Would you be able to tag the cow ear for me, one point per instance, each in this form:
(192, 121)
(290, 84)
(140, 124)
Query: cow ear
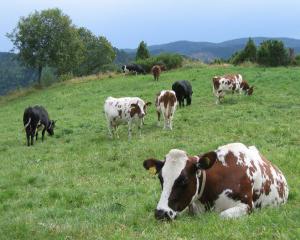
(153, 166)
(134, 105)
(148, 103)
(206, 160)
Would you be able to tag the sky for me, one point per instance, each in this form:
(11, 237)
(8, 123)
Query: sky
(127, 22)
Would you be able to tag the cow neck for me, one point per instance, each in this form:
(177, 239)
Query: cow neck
(201, 174)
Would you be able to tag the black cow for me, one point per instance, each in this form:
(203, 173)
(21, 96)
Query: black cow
(34, 119)
(183, 90)
(134, 68)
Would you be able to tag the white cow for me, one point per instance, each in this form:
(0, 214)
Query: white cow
(126, 110)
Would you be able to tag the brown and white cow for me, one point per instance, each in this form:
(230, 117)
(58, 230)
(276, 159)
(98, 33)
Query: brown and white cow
(232, 180)
(230, 84)
(126, 110)
(166, 103)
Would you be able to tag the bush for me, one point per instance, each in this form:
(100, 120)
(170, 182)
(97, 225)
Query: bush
(272, 53)
(170, 61)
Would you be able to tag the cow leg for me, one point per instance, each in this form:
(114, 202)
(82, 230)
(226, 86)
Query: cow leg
(188, 100)
(116, 131)
(43, 133)
(32, 137)
(129, 130)
(140, 127)
(28, 138)
(158, 118)
(235, 212)
(36, 135)
(110, 129)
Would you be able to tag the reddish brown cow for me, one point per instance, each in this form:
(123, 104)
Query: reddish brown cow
(156, 70)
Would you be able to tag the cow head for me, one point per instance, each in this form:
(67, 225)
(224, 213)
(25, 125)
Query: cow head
(124, 69)
(50, 128)
(250, 91)
(179, 180)
(139, 108)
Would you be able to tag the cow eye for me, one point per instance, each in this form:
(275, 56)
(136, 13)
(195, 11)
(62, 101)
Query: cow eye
(181, 181)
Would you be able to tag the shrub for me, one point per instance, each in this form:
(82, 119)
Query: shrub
(169, 60)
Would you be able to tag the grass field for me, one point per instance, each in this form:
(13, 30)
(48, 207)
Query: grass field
(79, 184)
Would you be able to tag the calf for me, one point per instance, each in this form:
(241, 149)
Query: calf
(133, 68)
(126, 110)
(166, 105)
(183, 90)
(34, 119)
(232, 180)
(230, 83)
(156, 70)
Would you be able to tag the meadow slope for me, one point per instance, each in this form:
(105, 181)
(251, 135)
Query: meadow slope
(80, 184)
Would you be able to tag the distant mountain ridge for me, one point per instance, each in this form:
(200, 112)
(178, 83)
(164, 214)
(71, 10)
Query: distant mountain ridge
(208, 51)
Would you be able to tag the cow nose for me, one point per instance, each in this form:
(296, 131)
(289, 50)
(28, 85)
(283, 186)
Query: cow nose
(161, 215)
(142, 115)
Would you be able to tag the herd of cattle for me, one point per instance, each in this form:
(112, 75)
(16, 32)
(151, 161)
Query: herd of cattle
(232, 180)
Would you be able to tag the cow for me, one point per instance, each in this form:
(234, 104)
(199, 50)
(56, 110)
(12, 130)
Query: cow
(34, 119)
(133, 68)
(156, 70)
(183, 90)
(232, 180)
(165, 104)
(125, 110)
(230, 83)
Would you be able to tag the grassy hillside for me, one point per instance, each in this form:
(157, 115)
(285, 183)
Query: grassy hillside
(80, 184)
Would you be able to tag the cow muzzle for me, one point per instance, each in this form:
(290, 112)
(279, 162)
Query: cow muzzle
(164, 215)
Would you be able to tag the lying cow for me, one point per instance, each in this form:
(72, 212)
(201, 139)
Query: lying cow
(133, 68)
(183, 90)
(231, 84)
(166, 103)
(34, 119)
(126, 110)
(232, 180)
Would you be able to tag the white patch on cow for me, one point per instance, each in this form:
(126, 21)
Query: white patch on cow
(175, 162)
(229, 208)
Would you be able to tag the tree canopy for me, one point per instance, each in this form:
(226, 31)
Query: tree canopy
(142, 51)
(47, 38)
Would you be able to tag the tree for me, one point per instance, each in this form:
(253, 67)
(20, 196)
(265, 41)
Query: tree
(142, 51)
(272, 53)
(250, 51)
(47, 38)
(97, 51)
(247, 54)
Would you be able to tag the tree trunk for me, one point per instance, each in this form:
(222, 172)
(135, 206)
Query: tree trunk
(40, 69)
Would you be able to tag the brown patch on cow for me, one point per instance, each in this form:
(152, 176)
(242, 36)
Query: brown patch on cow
(134, 109)
(156, 70)
(168, 98)
(244, 85)
(233, 177)
(233, 86)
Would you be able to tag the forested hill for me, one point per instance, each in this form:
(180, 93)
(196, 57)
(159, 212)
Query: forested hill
(208, 51)
(13, 75)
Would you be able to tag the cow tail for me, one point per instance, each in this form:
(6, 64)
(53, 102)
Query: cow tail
(27, 124)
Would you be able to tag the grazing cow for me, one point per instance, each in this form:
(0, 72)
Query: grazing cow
(230, 83)
(183, 90)
(34, 119)
(126, 110)
(133, 68)
(232, 180)
(156, 70)
(166, 105)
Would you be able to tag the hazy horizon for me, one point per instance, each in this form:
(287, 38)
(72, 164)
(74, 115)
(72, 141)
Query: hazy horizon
(126, 23)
